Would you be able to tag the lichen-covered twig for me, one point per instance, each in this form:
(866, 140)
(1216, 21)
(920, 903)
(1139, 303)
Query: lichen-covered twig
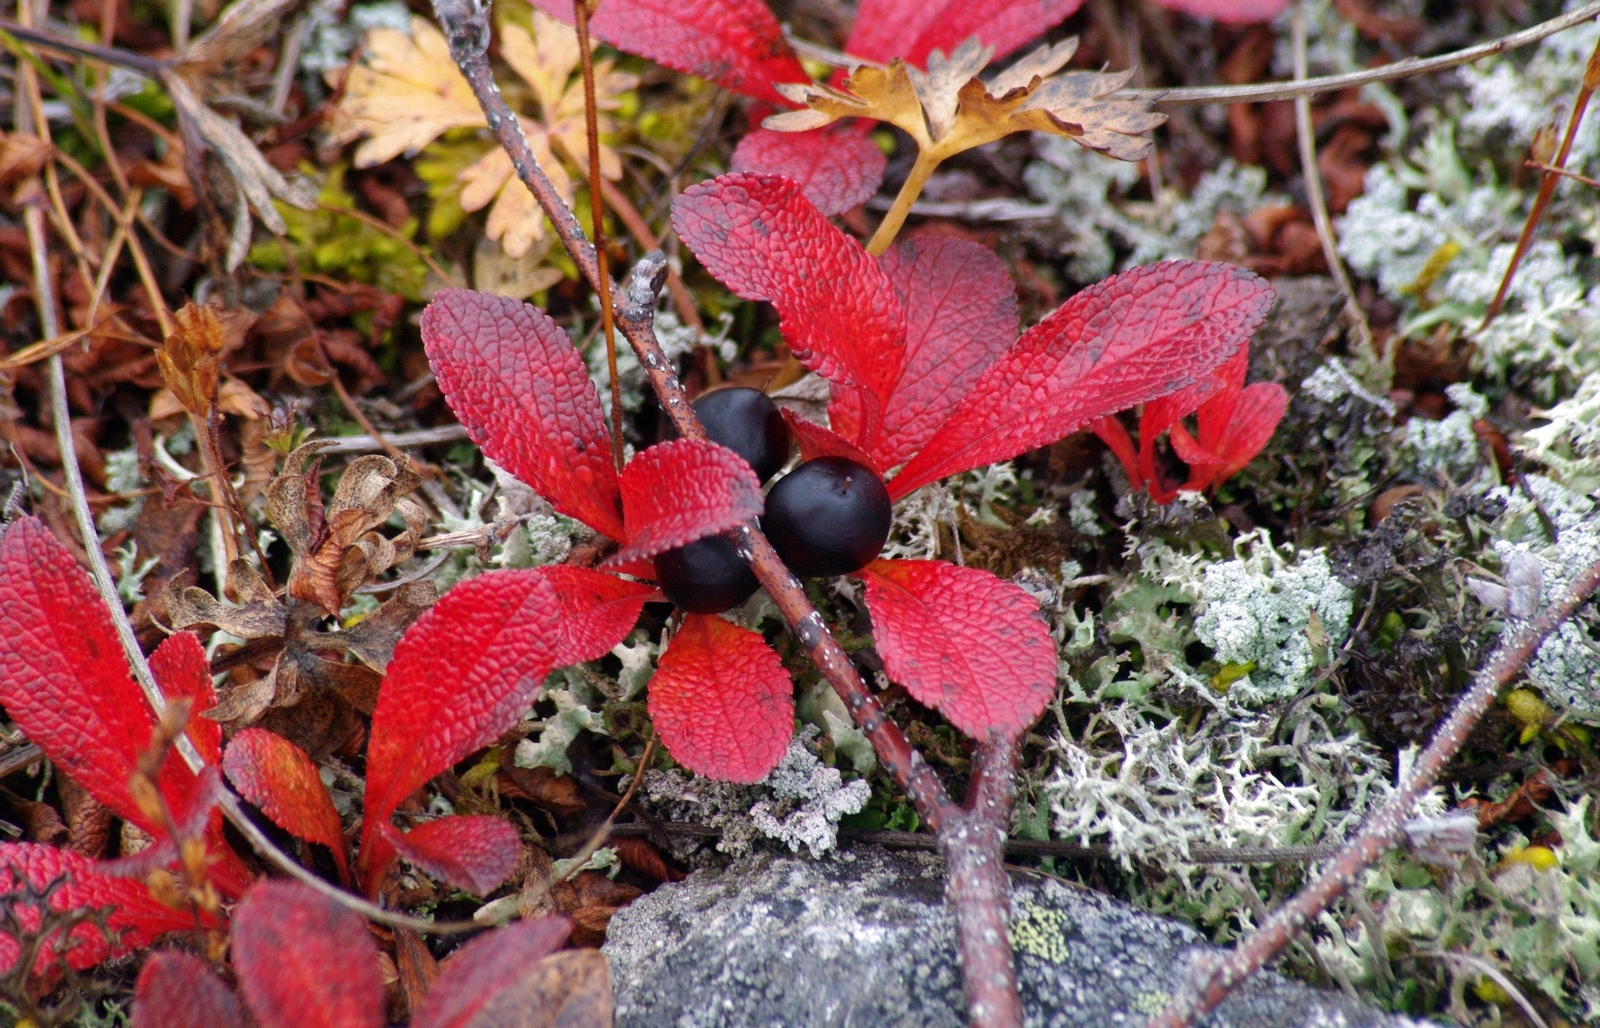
(1212, 982)
(970, 839)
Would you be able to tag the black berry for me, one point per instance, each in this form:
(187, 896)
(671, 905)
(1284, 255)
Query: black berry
(705, 577)
(748, 423)
(829, 516)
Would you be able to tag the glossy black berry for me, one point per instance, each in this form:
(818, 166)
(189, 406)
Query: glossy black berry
(829, 516)
(748, 423)
(705, 577)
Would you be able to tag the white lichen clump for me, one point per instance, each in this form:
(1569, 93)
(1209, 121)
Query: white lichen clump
(1259, 608)
(810, 798)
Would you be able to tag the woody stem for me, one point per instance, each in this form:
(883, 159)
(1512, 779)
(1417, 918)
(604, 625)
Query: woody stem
(971, 839)
(890, 226)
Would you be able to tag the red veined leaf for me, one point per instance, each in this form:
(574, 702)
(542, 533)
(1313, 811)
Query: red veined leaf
(1166, 412)
(521, 390)
(1115, 436)
(1127, 340)
(682, 490)
(304, 961)
(962, 641)
(468, 669)
(136, 918)
(181, 668)
(818, 441)
(1215, 409)
(464, 672)
(1205, 467)
(65, 681)
(886, 29)
(764, 240)
(473, 852)
(837, 170)
(196, 822)
(472, 977)
(597, 611)
(961, 314)
(737, 44)
(721, 700)
(176, 990)
(1237, 12)
(278, 777)
(1255, 417)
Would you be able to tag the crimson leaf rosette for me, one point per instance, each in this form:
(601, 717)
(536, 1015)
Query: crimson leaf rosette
(928, 375)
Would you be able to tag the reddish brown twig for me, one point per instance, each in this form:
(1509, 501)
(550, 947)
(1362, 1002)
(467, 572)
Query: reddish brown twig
(970, 838)
(1563, 172)
(1211, 983)
(1547, 187)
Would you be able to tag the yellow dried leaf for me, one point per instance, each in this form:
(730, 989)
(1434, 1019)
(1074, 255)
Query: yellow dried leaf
(405, 94)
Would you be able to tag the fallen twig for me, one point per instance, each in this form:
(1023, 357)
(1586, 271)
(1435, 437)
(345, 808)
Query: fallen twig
(971, 837)
(1210, 983)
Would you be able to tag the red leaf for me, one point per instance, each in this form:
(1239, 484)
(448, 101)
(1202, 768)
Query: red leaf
(818, 441)
(734, 43)
(471, 852)
(472, 976)
(962, 641)
(837, 170)
(961, 314)
(1254, 418)
(176, 990)
(181, 668)
(1233, 11)
(1127, 340)
(1116, 438)
(304, 961)
(470, 667)
(764, 240)
(65, 681)
(522, 392)
(136, 918)
(1221, 387)
(682, 490)
(278, 777)
(722, 701)
(886, 29)
(597, 611)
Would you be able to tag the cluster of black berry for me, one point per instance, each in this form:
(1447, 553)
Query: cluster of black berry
(829, 516)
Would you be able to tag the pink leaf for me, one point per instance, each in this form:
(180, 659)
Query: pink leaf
(1254, 418)
(522, 392)
(279, 778)
(682, 490)
(962, 641)
(65, 681)
(1127, 340)
(818, 441)
(837, 170)
(176, 990)
(469, 668)
(722, 701)
(474, 975)
(304, 961)
(136, 918)
(961, 314)
(764, 240)
(737, 44)
(471, 852)
(911, 29)
(181, 668)
(1236, 12)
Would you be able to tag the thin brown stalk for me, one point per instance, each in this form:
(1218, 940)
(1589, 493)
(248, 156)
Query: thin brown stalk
(1564, 173)
(974, 856)
(582, 11)
(1311, 172)
(1210, 984)
(1547, 186)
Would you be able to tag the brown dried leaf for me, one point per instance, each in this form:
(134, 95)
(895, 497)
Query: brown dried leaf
(948, 109)
(543, 788)
(372, 640)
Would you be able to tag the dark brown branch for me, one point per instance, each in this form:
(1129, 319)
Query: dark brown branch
(1212, 983)
(977, 890)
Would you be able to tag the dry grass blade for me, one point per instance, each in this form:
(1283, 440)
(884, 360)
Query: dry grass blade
(1547, 187)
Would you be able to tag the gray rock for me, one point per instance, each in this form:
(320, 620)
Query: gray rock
(863, 940)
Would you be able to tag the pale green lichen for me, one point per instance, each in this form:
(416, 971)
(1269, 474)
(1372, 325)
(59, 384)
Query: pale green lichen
(1256, 609)
(1040, 932)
